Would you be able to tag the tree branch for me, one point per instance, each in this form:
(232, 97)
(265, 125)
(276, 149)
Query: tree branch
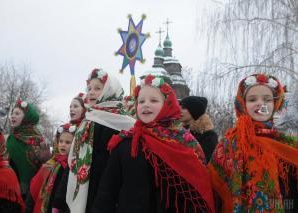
(260, 19)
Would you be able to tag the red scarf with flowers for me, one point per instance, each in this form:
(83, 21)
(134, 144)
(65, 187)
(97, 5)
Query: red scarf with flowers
(31, 136)
(175, 155)
(43, 182)
(247, 164)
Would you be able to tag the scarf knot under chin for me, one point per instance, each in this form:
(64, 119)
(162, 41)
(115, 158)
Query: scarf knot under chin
(161, 143)
(61, 159)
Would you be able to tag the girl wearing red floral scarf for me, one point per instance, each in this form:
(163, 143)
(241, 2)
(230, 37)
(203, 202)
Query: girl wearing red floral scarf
(10, 191)
(254, 168)
(157, 166)
(44, 184)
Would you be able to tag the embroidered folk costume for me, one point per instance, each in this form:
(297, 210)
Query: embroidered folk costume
(44, 184)
(24, 145)
(156, 166)
(253, 163)
(88, 155)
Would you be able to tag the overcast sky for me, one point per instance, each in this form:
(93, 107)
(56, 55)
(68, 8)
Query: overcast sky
(61, 41)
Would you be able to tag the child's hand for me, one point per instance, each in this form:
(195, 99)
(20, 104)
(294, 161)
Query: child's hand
(54, 210)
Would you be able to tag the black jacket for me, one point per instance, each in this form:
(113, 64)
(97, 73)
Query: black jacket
(59, 199)
(202, 129)
(8, 206)
(128, 185)
(208, 141)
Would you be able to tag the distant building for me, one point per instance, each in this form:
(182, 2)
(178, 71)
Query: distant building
(168, 67)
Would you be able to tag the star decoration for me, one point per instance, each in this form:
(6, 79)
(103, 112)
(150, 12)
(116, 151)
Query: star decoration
(133, 40)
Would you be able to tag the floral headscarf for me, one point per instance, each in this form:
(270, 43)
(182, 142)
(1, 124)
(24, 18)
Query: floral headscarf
(42, 183)
(27, 131)
(108, 111)
(247, 164)
(31, 115)
(259, 79)
(173, 152)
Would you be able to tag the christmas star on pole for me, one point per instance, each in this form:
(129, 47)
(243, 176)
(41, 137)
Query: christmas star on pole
(131, 49)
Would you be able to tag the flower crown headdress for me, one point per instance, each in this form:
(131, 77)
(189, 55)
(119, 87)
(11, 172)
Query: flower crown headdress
(154, 81)
(66, 128)
(22, 104)
(82, 97)
(98, 73)
(261, 79)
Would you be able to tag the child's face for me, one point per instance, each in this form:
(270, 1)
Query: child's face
(64, 143)
(256, 97)
(185, 116)
(75, 110)
(95, 88)
(16, 117)
(150, 102)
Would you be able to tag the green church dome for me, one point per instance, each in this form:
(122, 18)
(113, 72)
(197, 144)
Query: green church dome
(167, 42)
(159, 51)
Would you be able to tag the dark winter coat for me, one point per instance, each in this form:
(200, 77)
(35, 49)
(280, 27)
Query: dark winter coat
(8, 206)
(128, 185)
(202, 130)
(100, 155)
(59, 199)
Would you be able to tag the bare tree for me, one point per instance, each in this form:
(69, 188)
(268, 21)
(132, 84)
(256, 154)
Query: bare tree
(221, 115)
(245, 37)
(287, 121)
(190, 78)
(220, 112)
(17, 83)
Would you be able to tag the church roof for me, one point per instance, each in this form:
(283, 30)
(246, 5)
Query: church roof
(177, 79)
(157, 71)
(170, 60)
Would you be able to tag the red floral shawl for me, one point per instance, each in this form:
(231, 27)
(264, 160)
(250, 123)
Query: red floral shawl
(43, 182)
(173, 152)
(247, 164)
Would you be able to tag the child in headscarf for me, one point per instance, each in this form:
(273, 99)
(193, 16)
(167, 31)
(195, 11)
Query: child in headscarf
(10, 191)
(254, 168)
(88, 157)
(157, 166)
(44, 183)
(25, 143)
(77, 109)
(77, 112)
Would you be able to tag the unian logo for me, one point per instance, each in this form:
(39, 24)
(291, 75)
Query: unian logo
(288, 203)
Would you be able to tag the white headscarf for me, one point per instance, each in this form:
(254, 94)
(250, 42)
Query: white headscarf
(108, 111)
